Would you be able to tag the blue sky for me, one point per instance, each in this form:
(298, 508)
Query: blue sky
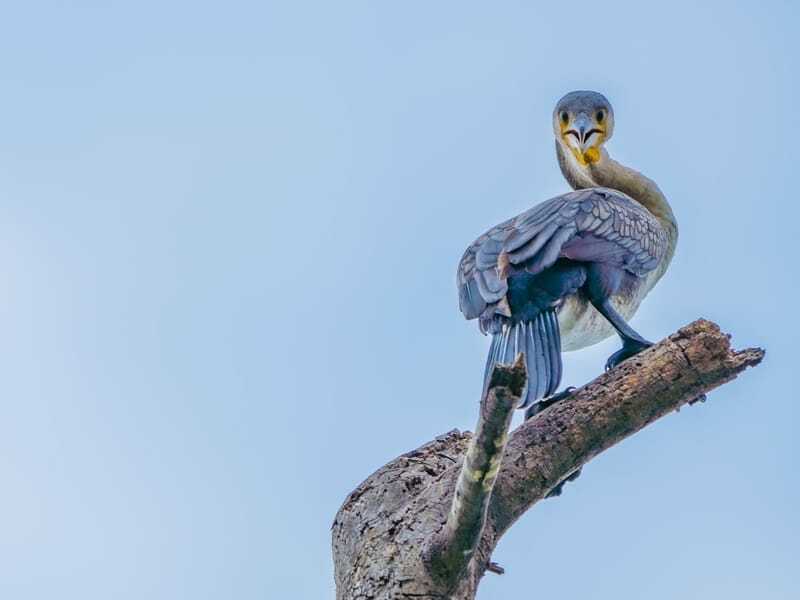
(229, 238)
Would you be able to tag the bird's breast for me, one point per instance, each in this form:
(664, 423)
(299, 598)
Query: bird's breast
(582, 325)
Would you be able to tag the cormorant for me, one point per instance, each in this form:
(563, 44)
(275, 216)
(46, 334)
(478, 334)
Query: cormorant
(572, 270)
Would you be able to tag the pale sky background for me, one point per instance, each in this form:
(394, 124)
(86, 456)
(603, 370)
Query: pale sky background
(229, 238)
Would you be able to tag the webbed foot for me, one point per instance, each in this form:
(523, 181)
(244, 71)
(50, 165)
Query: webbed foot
(539, 406)
(629, 348)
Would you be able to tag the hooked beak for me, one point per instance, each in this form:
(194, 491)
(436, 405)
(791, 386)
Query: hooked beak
(583, 133)
(584, 138)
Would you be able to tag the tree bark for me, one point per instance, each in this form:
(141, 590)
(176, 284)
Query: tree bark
(404, 533)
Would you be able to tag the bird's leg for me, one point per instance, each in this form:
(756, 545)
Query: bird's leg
(632, 342)
(537, 407)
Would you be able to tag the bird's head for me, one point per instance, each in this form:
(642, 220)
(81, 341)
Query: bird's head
(583, 121)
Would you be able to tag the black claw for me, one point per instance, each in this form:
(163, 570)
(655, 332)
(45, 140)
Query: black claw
(556, 491)
(558, 397)
(493, 567)
(700, 398)
(559, 489)
(539, 406)
(629, 348)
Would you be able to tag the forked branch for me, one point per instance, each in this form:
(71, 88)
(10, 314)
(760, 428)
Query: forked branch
(406, 532)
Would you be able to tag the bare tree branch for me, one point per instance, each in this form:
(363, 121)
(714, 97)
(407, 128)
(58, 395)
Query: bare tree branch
(394, 520)
(547, 448)
(452, 549)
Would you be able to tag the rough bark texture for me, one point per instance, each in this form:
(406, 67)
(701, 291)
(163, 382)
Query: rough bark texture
(386, 533)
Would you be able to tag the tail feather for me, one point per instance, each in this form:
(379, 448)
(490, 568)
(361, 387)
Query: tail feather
(534, 359)
(554, 334)
(540, 341)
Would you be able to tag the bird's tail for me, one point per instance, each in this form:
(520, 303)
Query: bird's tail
(540, 340)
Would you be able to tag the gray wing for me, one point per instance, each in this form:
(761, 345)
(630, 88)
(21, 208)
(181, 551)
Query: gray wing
(595, 224)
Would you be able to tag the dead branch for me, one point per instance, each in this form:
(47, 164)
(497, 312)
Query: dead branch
(388, 535)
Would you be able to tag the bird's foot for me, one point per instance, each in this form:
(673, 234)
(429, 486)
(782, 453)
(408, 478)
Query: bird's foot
(700, 398)
(539, 406)
(557, 491)
(629, 348)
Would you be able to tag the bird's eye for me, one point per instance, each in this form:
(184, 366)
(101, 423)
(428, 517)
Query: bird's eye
(601, 114)
(564, 117)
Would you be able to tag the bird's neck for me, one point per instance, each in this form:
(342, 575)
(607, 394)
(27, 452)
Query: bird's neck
(607, 172)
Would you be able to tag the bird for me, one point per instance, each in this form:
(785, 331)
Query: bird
(571, 271)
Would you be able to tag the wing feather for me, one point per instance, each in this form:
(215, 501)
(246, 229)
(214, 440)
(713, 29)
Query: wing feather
(595, 224)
